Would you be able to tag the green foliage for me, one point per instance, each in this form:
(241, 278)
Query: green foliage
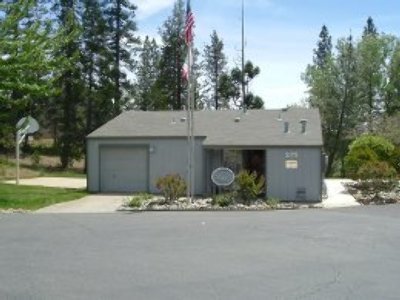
(223, 200)
(356, 158)
(382, 147)
(35, 158)
(395, 159)
(25, 65)
(376, 170)
(122, 43)
(147, 74)
(368, 149)
(136, 201)
(172, 186)
(324, 48)
(273, 202)
(173, 54)
(332, 81)
(214, 66)
(248, 186)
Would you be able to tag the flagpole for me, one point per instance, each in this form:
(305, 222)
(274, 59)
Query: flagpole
(189, 130)
(190, 102)
(192, 148)
(243, 76)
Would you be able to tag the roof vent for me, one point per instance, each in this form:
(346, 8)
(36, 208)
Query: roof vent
(183, 119)
(286, 127)
(237, 119)
(280, 117)
(303, 123)
(173, 121)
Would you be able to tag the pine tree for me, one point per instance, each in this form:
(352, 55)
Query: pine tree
(370, 28)
(214, 66)
(324, 47)
(251, 72)
(173, 53)
(95, 60)
(123, 43)
(147, 74)
(70, 142)
(371, 65)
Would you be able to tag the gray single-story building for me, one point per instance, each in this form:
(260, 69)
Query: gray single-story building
(131, 151)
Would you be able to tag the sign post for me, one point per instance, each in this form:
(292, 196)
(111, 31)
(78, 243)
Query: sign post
(26, 125)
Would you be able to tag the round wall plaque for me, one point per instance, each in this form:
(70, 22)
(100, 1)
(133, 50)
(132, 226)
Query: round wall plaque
(223, 176)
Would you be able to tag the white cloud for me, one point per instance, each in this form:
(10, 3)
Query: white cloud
(147, 8)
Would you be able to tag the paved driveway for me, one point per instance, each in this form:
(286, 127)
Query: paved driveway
(98, 203)
(304, 254)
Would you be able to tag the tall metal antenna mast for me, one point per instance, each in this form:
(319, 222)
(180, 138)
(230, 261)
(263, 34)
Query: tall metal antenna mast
(243, 76)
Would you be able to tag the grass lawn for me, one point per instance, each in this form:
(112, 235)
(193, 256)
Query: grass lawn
(34, 197)
(47, 168)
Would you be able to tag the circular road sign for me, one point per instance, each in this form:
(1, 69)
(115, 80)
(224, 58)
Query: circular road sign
(223, 176)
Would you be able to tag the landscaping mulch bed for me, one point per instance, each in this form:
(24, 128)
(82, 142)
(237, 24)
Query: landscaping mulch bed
(367, 196)
(182, 205)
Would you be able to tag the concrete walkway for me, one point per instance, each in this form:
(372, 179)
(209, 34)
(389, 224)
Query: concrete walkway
(60, 182)
(88, 204)
(337, 195)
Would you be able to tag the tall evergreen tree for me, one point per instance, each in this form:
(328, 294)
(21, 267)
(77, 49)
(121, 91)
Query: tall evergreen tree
(96, 58)
(372, 56)
(70, 142)
(214, 66)
(122, 42)
(324, 47)
(147, 74)
(173, 53)
(370, 28)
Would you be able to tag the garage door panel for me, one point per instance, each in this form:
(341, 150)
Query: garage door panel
(123, 169)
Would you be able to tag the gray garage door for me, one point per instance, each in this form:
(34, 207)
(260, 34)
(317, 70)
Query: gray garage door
(123, 169)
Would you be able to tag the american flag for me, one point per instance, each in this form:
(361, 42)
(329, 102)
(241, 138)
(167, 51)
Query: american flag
(185, 72)
(189, 24)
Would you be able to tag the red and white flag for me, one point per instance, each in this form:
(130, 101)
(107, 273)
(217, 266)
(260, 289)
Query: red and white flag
(189, 25)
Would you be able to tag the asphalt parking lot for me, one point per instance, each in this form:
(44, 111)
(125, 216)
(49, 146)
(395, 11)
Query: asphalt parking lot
(348, 253)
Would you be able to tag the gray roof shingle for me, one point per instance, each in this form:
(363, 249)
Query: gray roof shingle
(220, 128)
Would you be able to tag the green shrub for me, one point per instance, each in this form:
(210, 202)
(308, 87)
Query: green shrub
(35, 158)
(223, 200)
(273, 202)
(357, 158)
(376, 170)
(395, 159)
(367, 149)
(137, 200)
(248, 186)
(382, 147)
(172, 186)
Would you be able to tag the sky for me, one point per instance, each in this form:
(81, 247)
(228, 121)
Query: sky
(280, 34)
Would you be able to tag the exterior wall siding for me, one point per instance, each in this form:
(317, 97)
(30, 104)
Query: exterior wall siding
(166, 156)
(301, 184)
